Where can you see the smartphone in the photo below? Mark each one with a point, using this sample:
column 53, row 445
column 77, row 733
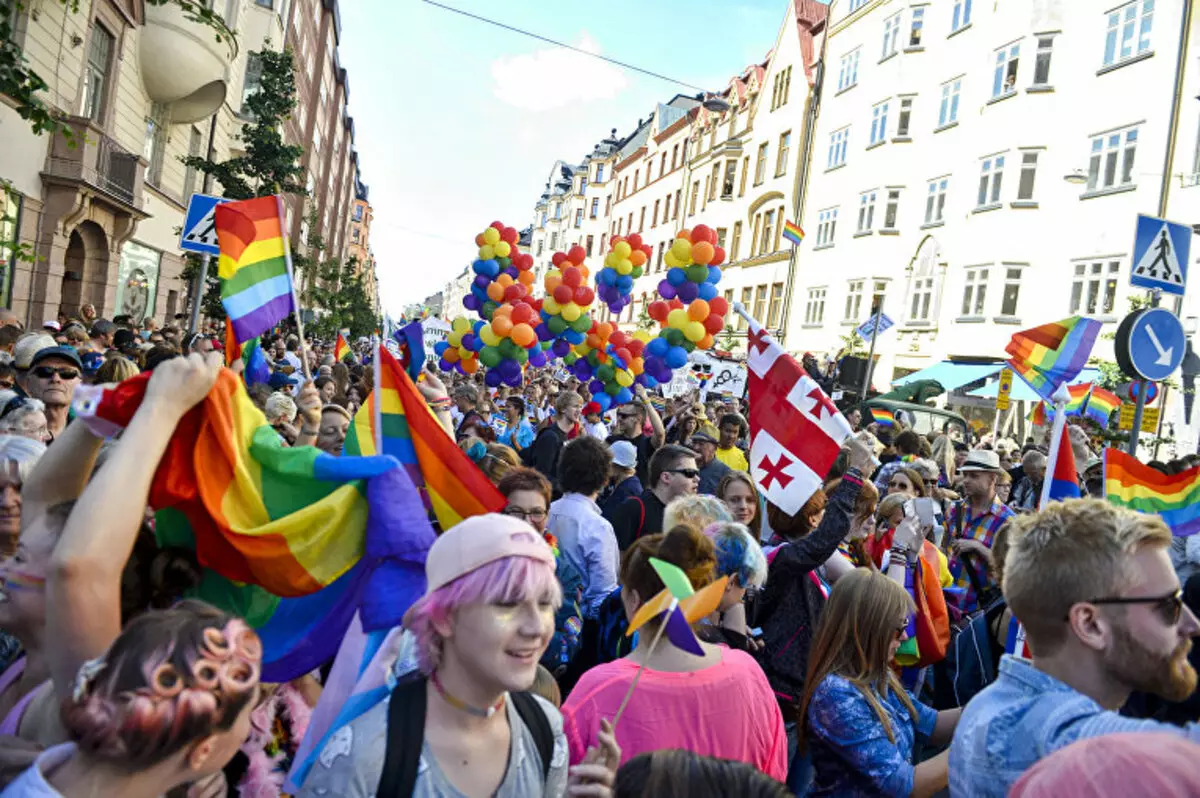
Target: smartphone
column 910, row 508
column 924, row 509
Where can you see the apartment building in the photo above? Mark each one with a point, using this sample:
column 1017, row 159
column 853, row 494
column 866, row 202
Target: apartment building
column 978, row 168
column 358, row 246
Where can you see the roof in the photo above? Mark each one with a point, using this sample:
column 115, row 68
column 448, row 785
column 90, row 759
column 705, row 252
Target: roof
column 811, row 17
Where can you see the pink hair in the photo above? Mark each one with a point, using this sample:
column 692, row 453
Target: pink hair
column 511, row 579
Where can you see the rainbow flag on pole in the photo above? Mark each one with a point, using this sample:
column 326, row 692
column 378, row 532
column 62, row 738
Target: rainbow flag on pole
column 1079, row 397
column 341, row 349
column 883, row 417
column 454, row 487
column 792, row 232
column 1132, row 484
column 1052, row 354
column 1064, row 481
column 1039, row 415
column 1100, row 406
column 254, row 265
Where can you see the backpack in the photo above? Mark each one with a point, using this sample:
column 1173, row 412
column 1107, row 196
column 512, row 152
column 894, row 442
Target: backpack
column 406, row 734
column 568, row 621
column 611, row 623
column 970, row 663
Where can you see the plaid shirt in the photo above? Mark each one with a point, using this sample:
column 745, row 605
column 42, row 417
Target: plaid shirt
column 983, row 528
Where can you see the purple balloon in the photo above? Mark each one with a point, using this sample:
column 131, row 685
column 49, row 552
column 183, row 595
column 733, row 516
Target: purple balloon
column 492, row 379
column 688, row 292
column 666, row 290
column 562, row 347
column 537, row 358
column 469, row 340
column 482, row 282
column 595, row 386
column 470, row 302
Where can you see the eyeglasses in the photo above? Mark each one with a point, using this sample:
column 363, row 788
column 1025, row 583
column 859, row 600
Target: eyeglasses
column 690, row 473
column 901, row 629
column 526, row 515
column 1169, row 607
column 46, row 372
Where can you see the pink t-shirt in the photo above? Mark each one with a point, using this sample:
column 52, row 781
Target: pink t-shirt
column 726, row 711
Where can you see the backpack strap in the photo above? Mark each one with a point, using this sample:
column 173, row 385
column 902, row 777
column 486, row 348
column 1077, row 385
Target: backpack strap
column 642, row 518
column 534, row 718
column 405, row 737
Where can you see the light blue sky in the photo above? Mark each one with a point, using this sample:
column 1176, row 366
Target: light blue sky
column 458, row 122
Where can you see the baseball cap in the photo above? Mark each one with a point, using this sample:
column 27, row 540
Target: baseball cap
column 123, row 337
column 706, row 433
column 480, row 540
column 51, row 324
column 29, row 345
column 591, row 409
column 623, row 454
column 102, row 327
column 65, row 352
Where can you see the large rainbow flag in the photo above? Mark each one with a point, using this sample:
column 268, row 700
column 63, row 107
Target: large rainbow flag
column 1052, row 354
column 1079, row 397
column 454, row 487
column 1176, row 499
column 1100, row 406
column 256, row 281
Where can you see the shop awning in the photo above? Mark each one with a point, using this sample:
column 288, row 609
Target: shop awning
column 951, row 375
column 1021, row 391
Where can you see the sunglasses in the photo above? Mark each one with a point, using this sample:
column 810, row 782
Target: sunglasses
column 46, row 372
column 690, row 473
column 1169, row 607
column 626, row 415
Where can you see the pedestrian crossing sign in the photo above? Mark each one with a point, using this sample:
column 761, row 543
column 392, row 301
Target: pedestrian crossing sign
column 199, row 232
column 1160, row 255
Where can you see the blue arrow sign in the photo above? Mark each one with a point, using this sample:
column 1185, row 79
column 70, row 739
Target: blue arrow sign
column 199, row 226
column 1156, row 344
column 1160, row 255
column 867, row 328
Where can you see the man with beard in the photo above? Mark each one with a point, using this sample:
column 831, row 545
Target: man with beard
column 973, row 523
column 1103, row 615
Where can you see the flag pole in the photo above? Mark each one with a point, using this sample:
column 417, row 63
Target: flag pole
column 287, row 255
column 377, row 415
column 649, row 653
column 1061, row 398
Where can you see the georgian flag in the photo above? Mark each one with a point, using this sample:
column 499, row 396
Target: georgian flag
column 796, row 432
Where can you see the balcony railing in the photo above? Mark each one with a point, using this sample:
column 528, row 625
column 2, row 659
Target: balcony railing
column 97, row 161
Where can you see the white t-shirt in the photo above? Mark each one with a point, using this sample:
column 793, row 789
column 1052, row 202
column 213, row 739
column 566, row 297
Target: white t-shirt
column 597, row 430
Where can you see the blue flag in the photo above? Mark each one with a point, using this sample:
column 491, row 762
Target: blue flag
column 411, row 339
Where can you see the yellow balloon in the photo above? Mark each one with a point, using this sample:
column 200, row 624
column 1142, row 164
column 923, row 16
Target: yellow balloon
column 488, row 336
column 624, row 267
column 612, row 259
column 641, row 335
column 486, row 252
column 622, row 249
column 455, row 338
column 678, row 318
column 694, row 331
column 461, row 324
column 670, row 259
column 682, row 250
column 550, row 306
column 502, row 249
column 624, row 378
column 570, row 311
column 491, row 235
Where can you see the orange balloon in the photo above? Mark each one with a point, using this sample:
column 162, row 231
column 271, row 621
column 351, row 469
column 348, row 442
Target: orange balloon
column 698, row 310
column 702, row 253
column 593, row 341
column 525, row 278
column 637, row 258
column 706, row 342
column 504, row 310
column 470, row 366
column 505, row 280
column 450, row 355
column 523, row 335
column 637, row 365
column 604, row 330
column 686, row 235
column 495, row 292
column 502, row 326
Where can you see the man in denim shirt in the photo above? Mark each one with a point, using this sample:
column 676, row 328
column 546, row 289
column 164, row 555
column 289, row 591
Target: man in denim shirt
column 1102, row 610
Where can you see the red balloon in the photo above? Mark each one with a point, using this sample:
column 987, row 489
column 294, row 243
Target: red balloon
column 718, row 256
column 658, row 310
column 480, row 240
column 536, row 304
column 523, row 262
column 510, row 235
column 557, row 258
column 636, row 347
column 718, row 306
column 635, row 241
column 514, row 292
column 522, row 314
column 576, row 254
column 648, row 251
column 675, row 304
column 562, row 294
column 584, row 296
column 712, row 325
column 612, row 244
column 618, row 339
column 625, row 355
column 572, row 277
column 498, row 225
column 703, row 232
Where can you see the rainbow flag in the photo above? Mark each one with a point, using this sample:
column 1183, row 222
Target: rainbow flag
column 1132, row 484
column 792, row 232
column 1064, row 481
column 341, row 349
column 453, row 486
column 1100, row 406
column 1039, row 417
column 1079, row 397
column 254, row 265
column 1052, row 354
column 883, row 417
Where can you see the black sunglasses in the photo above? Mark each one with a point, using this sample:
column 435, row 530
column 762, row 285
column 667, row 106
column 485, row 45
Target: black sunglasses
column 46, row 372
column 690, row 473
column 1170, row 606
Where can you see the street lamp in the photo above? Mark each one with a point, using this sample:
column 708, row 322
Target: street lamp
column 1077, row 177
column 715, row 104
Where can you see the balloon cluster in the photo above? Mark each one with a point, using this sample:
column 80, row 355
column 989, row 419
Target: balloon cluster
column 690, row 312
column 502, row 272
column 565, row 319
column 457, row 352
column 510, row 342
column 624, row 263
column 611, row 362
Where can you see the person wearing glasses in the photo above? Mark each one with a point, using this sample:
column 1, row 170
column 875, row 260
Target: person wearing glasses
column 23, row 417
column 673, row 473
column 1103, row 615
column 53, row 375
column 631, row 426
column 585, row 537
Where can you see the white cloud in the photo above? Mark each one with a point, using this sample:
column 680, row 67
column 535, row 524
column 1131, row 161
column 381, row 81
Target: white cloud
column 556, row 77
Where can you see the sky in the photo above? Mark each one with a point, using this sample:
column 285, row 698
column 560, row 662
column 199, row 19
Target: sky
column 458, row 123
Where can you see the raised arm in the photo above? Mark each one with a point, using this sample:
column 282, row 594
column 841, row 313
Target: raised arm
column 83, row 589
column 62, row 473
column 655, row 419
column 308, row 402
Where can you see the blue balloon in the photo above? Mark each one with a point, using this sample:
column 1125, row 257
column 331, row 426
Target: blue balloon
column 469, row 341
column 493, row 268
column 575, row 337
column 676, row 276
column 707, row 291
column 440, row 347
column 608, row 276
column 602, row 399
column 657, row 347
column 543, row 333
column 677, row 357
column 537, row 358
column 479, row 293
column 492, row 379
column 648, row 380
column 714, row 274
column 625, row 283
column 480, row 267
column 623, row 396
column 478, row 325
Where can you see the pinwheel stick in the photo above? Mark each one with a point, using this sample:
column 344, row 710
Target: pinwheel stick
column 632, row 685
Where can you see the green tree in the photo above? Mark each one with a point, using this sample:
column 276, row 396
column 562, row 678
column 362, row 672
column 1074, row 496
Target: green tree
column 728, row 339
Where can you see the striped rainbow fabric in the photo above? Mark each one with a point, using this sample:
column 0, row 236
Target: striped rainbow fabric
column 255, row 272
column 1038, row 416
column 883, row 417
column 1135, row 485
column 1079, row 397
column 792, row 232
column 453, row 486
column 1100, row 406
column 1052, row 354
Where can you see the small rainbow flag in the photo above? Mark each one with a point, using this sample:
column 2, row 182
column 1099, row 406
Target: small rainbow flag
column 1132, row 484
column 1039, row 416
column 1079, row 396
column 1100, row 406
column 341, row 349
column 792, row 232
column 1049, row 355
column 883, row 417
column 254, row 265
column 453, row 486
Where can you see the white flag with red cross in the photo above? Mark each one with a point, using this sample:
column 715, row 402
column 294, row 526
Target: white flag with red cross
column 796, row 432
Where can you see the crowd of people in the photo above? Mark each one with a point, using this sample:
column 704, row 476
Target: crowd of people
column 923, row 625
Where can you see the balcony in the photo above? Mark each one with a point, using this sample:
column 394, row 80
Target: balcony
column 182, row 63
column 97, row 162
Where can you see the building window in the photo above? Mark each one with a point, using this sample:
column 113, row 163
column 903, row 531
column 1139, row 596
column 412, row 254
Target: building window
column 935, row 203
column 837, row 147
column 905, row 118
column 675, row 212
column 826, row 226
column 265, row 3
column 95, row 75
column 922, row 306
column 637, row 173
column 854, row 296
column 354, row 234
column 156, row 142
column 582, row 184
column 1111, row 164
column 747, row 295
column 695, row 198
column 722, row 234
column 674, row 155
column 1041, row 63
column 1012, row 292
column 714, row 179
column 590, row 242
column 736, row 242
column 599, row 173
column 1094, row 289
column 856, row 4
column 814, row 308
column 253, row 80
column 1004, row 78
column 755, row 241
column 948, row 113
column 779, row 93
column 641, row 219
column 730, row 177
column 990, row 176
column 1028, row 174
column 1128, row 31
column 579, row 217
column 607, row 208
column 891, row 35
column 892, row 211
column 961, row 16
column 775, row 308
column 760, row 165
column 915, row 28
column 848, row 72
column 554, row 241
column 768, row 233
column 595, row 207
column 879, row 123
column 745, row 175
column 866, row 211
column 558, row 211
column 760, row 303
column 666, row 208
column 195, row 142
column 974, row 291
column 781, row 160
column 10, row 218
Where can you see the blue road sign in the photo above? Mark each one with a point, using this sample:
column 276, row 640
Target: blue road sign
column 1160, row 255
column 199, row 227
column 1156, row 344
column 867, row 328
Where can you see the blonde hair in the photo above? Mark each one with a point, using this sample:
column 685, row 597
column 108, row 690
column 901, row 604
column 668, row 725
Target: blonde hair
column 890, row 504
column 280, row 407
column 1068, row 552
column 697, row 511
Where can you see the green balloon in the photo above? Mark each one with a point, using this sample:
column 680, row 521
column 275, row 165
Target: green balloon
column 605, row 373
column 612, row 389
column 570, row 358
column 504, row 262
column 581, row 324
column 521, row 355
column 488, row 309
column 637, row 272
column 490, row 356
column 593, row 357
column 546, row 345
column 697, row 273
column 674, row 337
column 688, row 345
column 507, row 348
column 557, row 325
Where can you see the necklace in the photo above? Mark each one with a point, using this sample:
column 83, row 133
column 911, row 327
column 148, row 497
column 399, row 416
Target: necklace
column 458, row 703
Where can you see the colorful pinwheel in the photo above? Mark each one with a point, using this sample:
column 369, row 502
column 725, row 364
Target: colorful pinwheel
column 682, row 605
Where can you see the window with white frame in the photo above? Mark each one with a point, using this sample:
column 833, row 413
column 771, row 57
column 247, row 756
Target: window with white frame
column 595, row 207
column 960, row 17
column 1128, row 33
column 916, row 26
column 975, row 291
column 814, row 308
column 1041, row 63
column 837, row 147
column 935, row 201
column 848, row 71
column 854, row 296
column 866, row 211
column 579, row 217
column 1094, row 287
column 905, row 118
column 857, row 4
column 599, row 173
column 948, row 113
column 1004, row 77
column 891, row 34
column 1111, row 163
column 826, row 226
column 990, row 175
column 1012, row 291
column 1029, row 161
column 781, row 159
column 923, row 292
column 879, row 116
column 892, row 210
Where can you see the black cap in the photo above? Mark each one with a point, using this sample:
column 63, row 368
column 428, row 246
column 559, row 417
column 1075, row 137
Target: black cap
column 65, row 352
column 123, row 337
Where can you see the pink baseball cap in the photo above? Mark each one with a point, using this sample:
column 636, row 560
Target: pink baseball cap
column 480, row 540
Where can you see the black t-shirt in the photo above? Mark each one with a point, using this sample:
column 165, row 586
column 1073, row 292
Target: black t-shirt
column 636, row 517
column 645, row 450
column 544, row 452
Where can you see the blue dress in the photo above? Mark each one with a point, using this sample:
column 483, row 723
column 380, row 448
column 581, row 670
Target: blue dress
column 523, row 434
